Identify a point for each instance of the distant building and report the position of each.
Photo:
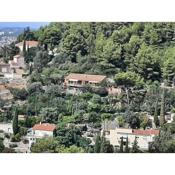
(41, 130)
(78, 80)
(17, 62)
(29, 44)
(6, 128)
(5, 70)
(144, 137)
(114, 90)
(5, 93)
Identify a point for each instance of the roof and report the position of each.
(44, 127)
(86, 77)
(28, 43)
(146, 132)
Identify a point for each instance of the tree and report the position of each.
(135, 147)
(15, 122)
(41, 59)
(72, 149)
(156, 119)
(97, 145)
(106, 147)
(1, 145)
(162, 108)
(24, 52)
(121, 145)
(127, 150)
(45, 145)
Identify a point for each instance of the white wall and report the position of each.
(6, 127)
(38, 133)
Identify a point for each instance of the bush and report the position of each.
(8, 150)
(16, 138)
(25, 141)
(13, 145)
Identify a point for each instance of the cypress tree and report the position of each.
(156, 119)
(24, 48)
(127, 146)
(15, 122)
(135, 147)
(121, 145)
(162, 108)
(97, 146)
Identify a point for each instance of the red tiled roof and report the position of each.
(44, 127)
(146, 132)
(85, 77)
(28, 43)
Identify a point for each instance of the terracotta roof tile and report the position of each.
(146, 132)
(85, 77)
(44, 127)
(28, 43)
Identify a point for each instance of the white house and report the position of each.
(41, 130)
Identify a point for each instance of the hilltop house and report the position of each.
(5, 93)
(17, 62)
(6, 128)
(76, 82)
(144, 137)
(79, 80)
(41, 130)
(5, 70)
(29, 44)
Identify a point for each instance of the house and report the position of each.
(6, 128)
(144, 137)
(79, 80)
(21, 117)
(17, 62)
(5, 94)
(5, 70)
(114, 90)
(29, 44)
(43, 130)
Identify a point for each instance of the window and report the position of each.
(4, 69)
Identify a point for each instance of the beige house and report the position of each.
(29, 44)
(17, 62)
(144, 137)
(79, 80)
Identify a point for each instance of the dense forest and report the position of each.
(138, 57)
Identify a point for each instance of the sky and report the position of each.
(32, 25)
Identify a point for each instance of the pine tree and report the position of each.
(162, 109)
(127, 146)
(121, 145)
(97, 146)
(156, 119)
(15, 122)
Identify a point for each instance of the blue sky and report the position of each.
(33, 25)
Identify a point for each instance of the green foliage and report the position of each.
(15, 122)
(1, 145)
(129, 79)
